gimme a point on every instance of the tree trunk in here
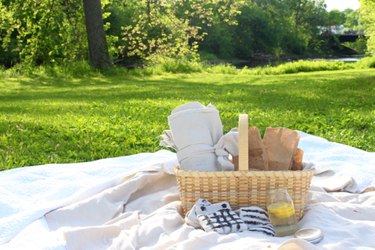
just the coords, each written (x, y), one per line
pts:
(98, 49)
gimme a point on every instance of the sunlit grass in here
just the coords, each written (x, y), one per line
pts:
(48, 117)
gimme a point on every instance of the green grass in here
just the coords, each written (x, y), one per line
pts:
(56, 117)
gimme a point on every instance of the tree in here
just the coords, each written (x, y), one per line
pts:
(256, 32)
(98, 48)
(367, 19)
(293, 25)
(335, 19)
(352, 20)
(41, 32)
(160, 29)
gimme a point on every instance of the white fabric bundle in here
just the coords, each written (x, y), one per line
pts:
(196, 133)
(226, 147)
(196, 129)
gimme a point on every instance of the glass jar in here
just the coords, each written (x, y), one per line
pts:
(281, 211)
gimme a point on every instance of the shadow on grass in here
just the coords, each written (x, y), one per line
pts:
(311, 93)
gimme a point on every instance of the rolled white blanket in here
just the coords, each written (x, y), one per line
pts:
(196, 129)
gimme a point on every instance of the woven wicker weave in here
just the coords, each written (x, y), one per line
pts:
(242, 188)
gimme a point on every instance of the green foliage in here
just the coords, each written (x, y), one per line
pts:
(43, 31)
(157, 33)
(50, 119)
(367, 18)
(309, 66)
(119, 14)
(171, 65)
(184, 66)
(352, 20)
(300, 25)
(180, 66)
(206, 56)
(275, 28)
(222, 69)
(140, 32)
(360, 45)
(171, 29)
(367, 62)
(335, 18)
(67, 70)
(219, 41)
(256, 32)
(8, 54)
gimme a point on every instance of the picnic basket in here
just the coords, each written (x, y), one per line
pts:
(244, 187)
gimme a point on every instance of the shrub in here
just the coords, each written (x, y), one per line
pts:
(302, 66)
(181, 66)
(367, 62)
(66, 70)
(222, 69)
(308, 66)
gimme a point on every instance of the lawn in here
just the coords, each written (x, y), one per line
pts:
(60, 119)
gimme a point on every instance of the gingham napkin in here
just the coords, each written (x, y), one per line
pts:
(219, 217)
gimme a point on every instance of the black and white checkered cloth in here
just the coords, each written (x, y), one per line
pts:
(224, 221)
(257, 220)
(219, 217)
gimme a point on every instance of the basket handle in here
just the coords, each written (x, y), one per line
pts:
(243, 145)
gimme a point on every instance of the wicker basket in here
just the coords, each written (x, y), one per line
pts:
(242, 188)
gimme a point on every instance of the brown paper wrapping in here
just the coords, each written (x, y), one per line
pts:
(297, 161)
(280, 145)
(277, 151)
(257, 154)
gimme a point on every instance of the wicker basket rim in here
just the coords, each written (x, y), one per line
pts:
(178, 169)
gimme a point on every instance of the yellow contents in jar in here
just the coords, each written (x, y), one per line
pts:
(281, 210)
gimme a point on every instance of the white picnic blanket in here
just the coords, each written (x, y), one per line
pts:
(132, 202)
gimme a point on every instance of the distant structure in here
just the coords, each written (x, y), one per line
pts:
(341, 33)
(337, 35)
